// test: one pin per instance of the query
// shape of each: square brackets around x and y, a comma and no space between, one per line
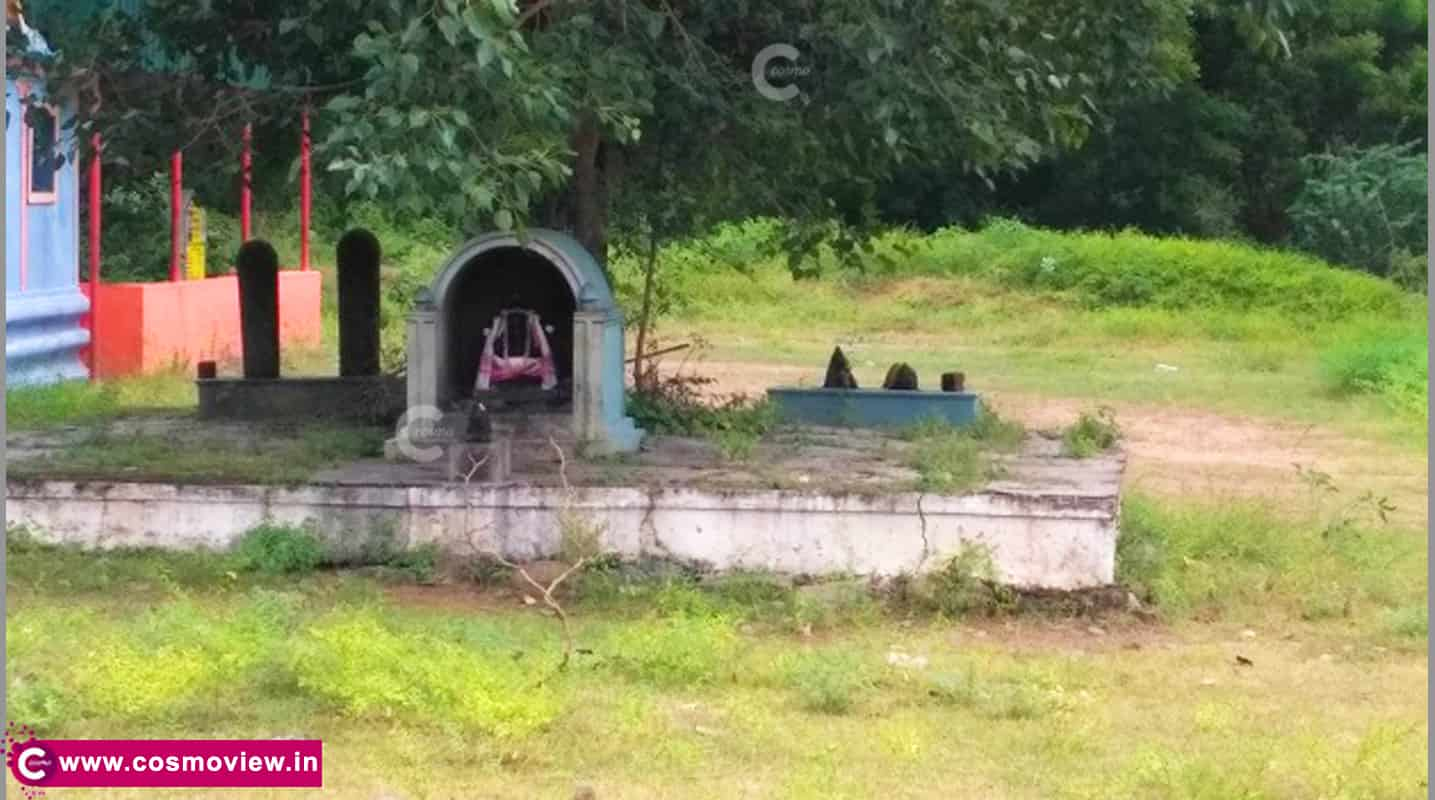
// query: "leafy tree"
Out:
[1366,208]
[1222,153]
[500,113]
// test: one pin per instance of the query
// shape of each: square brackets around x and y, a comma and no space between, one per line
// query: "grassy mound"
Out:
[1092,270]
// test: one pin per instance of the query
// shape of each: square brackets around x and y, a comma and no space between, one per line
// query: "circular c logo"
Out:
[419,424]
[34,764]
[765,56]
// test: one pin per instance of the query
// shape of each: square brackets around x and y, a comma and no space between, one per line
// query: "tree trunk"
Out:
[645,313]
[589,200]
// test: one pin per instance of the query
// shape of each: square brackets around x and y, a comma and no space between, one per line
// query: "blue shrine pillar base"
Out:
[44,335]
[598,403]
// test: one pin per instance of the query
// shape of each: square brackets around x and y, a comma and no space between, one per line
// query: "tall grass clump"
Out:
[1393,367]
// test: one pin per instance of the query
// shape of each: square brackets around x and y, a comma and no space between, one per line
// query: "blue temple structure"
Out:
[45,308]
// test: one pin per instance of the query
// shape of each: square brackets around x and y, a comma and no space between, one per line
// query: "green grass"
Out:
[81,402]
[1091,270]
[1247,329]
[1396,369]
[272,455]
[682,697]
[1243,560]
[951,459]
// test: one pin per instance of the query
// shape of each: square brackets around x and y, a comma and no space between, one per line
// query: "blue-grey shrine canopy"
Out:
[545,274]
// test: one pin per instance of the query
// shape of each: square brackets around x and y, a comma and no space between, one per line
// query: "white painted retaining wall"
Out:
[1056,541]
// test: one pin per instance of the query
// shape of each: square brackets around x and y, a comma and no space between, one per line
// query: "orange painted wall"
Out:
[147,327]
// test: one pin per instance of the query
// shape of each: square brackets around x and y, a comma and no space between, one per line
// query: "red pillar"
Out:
[305,189]
[176,210]
[95,228]
[246,176]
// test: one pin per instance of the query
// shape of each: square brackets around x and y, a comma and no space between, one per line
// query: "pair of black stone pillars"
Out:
[357,262]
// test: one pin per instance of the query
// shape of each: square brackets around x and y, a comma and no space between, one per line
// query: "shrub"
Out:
[416,563]
[1092,433]
[272,549]
[829,681]
[675,405]
[1128,268]
[965,583]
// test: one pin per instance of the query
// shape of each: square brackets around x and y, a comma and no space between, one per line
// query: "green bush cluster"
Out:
[675,406]
[1091,434]
[272,549]
[966,583]
[1393,366]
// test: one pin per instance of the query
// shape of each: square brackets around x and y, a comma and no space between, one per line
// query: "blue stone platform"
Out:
[873,408]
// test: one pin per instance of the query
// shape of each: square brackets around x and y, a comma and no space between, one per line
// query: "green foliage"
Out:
[273,549]
[1091,434]
[81,402]
[1411,621]
[1220,154]
[751,597]
[135,241]
[1366,208]
[359,665]
[963,584]
[829,681]
[1131,269]
[1394,367]
[1105,271]
[676,406]
[953,458]
[673,651]
[534,96]
[417,563]
[1198,560]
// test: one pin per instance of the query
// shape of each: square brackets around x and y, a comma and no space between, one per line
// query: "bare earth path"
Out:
[1185,452]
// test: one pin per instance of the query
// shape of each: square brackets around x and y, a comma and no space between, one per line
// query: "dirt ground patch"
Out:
[1185,452]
